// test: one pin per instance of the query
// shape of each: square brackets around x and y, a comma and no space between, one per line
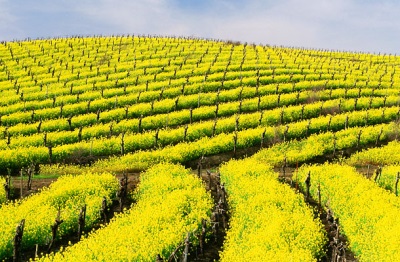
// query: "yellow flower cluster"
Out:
[385,155]
[170,203]
[25,136]
[389,178]
[319,144]
[67,195]
[105,84]
[269,221]
[368,215]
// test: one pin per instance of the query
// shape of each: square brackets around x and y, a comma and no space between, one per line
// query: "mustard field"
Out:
[309,139]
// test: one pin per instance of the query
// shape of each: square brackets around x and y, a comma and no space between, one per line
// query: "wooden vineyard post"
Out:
[378,137]
[199,166]
[319,198]
[123,188]
[81,221]
[191,115]
[30,171]
[308,127]
[17,241]
[302,112]
[202,236]
[61,109]
[237,124]
[80,134]
[396,184]
[285,133]
[218,179]
[20,185]
[216,110]
[235,138]
[50,148]
[185,132]
[370,102]
[91,147]
[36,251]
[222,212]
[54,228]
[88,107]
[262,138]
[334,144]
[33,116]
[378,173]
[215,223]
[176,103]
[261,117]
[329,124]
[39,126]
[69,120]
[214,127]
[297,95]
[156,137]
[383,114]
[126,111]
[321,108]
[161,94]
[308,184]
[104,210]
[209,179]
[122,143]
[7,187]
[222,194]
[337,245]
[186,250]
[98,115]
[198,99]
[8,139]
[182,89]
[5,132]
[140,124]
[284,164]
[358,138]
[346,123]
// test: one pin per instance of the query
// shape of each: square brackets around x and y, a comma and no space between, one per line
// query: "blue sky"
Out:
[350,25]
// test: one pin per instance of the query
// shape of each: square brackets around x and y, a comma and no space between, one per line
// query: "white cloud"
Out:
[129,16]
[340,24]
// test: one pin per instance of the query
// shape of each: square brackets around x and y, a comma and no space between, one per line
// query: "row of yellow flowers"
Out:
[269,221]
[368,215]
[170,202]
[66,196]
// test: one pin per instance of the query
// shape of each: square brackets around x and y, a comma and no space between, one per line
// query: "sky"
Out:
[344,25]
